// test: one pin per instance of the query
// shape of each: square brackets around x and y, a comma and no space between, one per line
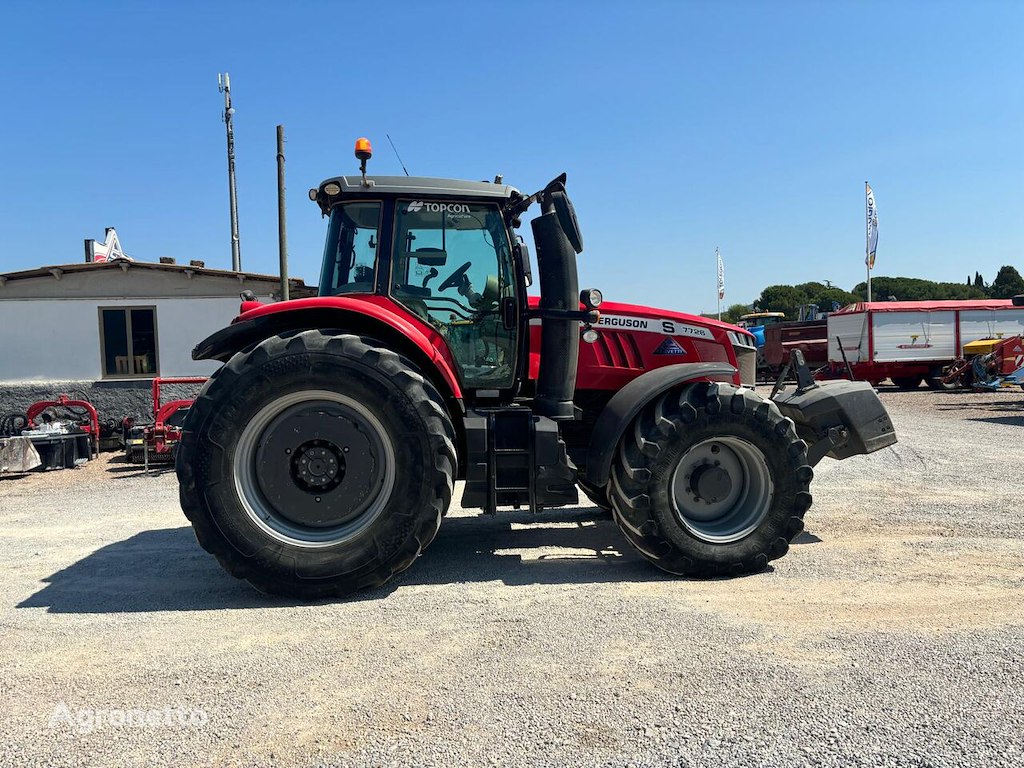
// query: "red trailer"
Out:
[913,341]
[809,336]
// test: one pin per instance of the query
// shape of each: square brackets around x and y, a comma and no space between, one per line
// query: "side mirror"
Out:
[567,219]
[555,195]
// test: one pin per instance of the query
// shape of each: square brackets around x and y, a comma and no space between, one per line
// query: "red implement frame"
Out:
[92,428]
[163,436]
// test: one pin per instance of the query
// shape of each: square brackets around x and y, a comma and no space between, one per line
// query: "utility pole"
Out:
[224,86]
[282,232]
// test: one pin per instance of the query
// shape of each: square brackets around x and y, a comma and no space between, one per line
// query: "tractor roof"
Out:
[410,186]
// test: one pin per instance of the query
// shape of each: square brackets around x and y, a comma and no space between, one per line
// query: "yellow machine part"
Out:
[980,347]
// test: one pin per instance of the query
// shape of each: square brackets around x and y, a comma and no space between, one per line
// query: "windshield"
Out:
[350,256]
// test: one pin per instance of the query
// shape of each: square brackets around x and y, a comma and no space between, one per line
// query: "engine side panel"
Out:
[635,339]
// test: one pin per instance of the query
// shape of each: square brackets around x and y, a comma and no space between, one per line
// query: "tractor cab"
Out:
[444,253]
[445,256]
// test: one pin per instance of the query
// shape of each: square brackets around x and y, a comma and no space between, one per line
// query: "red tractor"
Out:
[321,457]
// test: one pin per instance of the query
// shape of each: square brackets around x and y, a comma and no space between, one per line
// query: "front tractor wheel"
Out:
[711,480]
[316,465]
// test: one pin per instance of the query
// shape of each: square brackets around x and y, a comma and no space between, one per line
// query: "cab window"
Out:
[452,267]
[350,256]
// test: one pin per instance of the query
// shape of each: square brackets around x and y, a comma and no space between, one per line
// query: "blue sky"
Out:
[682,126]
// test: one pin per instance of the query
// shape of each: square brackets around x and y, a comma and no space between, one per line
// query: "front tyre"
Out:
[711,480]
[598,496]
[316,464]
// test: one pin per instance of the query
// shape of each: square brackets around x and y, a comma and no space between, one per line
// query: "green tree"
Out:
[1008,283]
[916,289]
[735,312]
[825,295]
[782,298]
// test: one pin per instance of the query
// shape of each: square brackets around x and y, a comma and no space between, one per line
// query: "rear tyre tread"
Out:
[421,393]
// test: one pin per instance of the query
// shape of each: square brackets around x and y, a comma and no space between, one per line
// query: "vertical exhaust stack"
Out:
[559,290]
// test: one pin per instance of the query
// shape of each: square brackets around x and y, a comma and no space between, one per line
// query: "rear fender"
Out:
[625,404]
[429,352]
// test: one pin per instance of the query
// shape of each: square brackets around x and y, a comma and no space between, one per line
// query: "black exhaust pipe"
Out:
[559,290]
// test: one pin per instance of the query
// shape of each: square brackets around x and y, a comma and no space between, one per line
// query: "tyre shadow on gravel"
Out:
[975,409]
[165,570]
[568,546]
[122,469]
[161,570]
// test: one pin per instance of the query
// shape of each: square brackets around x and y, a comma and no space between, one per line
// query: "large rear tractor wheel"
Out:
[315,465]
[711,480]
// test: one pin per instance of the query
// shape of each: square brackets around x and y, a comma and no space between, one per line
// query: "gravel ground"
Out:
[890,635]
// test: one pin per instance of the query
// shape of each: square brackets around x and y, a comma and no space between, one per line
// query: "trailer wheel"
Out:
[907,382]
[711,480]
[316,464]
[936,383]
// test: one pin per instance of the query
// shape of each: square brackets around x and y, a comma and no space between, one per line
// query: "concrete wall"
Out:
[59,339]
[50,332]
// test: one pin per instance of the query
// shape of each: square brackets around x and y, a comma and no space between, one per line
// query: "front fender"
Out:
[625,404]
[365,317]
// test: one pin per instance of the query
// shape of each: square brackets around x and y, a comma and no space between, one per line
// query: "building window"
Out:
[128,342]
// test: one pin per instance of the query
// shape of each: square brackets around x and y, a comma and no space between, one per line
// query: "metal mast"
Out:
[224,86]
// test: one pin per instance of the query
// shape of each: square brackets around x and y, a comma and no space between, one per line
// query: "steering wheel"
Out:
[455,277]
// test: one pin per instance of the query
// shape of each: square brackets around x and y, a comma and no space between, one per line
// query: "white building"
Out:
[113,326]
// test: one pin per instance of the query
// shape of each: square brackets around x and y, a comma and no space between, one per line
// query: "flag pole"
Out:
[867,239]
[718,281]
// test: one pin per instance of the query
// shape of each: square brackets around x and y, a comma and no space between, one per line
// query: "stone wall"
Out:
[113,399]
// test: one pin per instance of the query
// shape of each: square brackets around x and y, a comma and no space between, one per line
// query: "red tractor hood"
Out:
[634,339]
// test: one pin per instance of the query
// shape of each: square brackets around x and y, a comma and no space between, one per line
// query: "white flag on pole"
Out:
[872,224]
[721,276]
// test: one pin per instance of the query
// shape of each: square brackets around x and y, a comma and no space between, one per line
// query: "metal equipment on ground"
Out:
[64,432]
[157,441]
[321,457]
[988,364]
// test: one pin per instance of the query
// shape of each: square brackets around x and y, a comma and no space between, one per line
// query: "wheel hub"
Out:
[710,482]
[314,468]
[318,466]
[721,489]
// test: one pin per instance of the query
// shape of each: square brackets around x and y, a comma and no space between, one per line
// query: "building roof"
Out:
[139,280]
[59,270]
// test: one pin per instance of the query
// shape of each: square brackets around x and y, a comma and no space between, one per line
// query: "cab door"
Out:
[452,267]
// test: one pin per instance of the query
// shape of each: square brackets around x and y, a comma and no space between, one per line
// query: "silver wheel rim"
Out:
[258,508]
[721,489]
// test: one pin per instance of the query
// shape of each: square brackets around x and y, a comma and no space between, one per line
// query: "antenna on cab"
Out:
[395,149]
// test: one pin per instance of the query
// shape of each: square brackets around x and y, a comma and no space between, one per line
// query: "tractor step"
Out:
[516,458]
